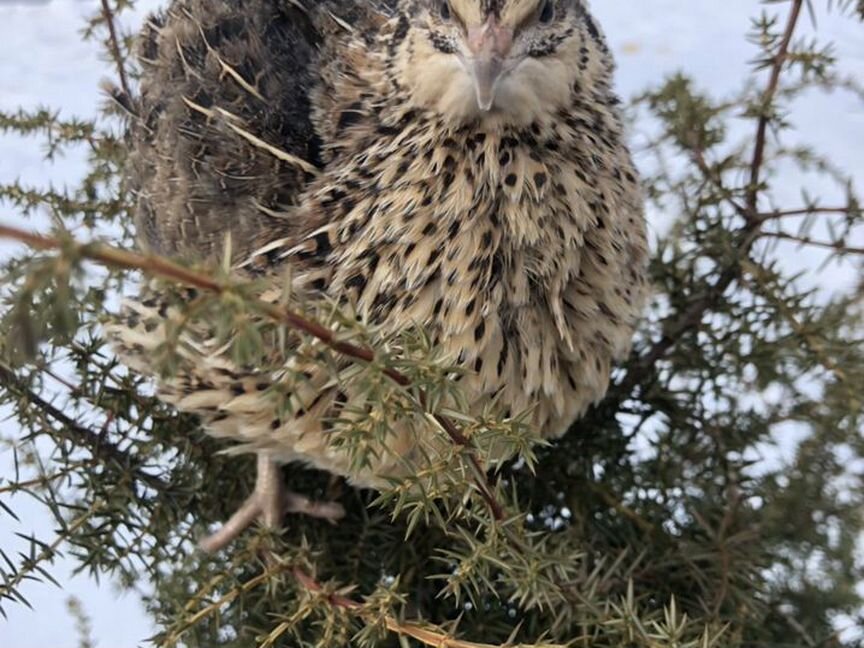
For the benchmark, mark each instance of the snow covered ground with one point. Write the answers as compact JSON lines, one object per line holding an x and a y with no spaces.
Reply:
{"x":44,"y":62}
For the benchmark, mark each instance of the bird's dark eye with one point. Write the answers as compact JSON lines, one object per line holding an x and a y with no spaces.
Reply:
{"x":547,"y":12}
{"x":444,"y":10}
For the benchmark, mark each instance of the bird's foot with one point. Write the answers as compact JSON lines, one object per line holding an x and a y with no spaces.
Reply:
{"x":269,"y":503}
{"x":297,"y":503}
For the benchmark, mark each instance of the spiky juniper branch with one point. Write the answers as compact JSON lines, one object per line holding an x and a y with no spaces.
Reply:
{"x":95,"y":442}
{"x":747,"y":235}
{"x":424,"y":633}
{"x":427,"y":635}
{"x":160,"y":267}
{"x":32,"y":564}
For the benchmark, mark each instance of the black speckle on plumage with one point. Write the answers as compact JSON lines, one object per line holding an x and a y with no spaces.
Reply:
{"x":515,"y":237}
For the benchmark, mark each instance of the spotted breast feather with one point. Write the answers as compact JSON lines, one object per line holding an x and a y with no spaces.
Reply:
{"x":458,"y":166}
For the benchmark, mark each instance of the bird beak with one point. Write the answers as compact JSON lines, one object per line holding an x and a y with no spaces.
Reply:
{"x":489,"y":44}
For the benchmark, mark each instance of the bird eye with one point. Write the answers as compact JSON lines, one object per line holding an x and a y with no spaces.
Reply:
{"x":547,"y":13}
{"x":444,"y":9}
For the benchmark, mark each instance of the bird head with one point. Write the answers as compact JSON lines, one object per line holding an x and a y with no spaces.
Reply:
{"x":510,"y":60}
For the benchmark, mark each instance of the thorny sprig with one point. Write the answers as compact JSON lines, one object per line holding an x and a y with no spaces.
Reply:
{"x":166,"y":269}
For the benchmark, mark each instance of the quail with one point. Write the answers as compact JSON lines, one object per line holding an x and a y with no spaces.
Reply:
{"x":458,"y":165}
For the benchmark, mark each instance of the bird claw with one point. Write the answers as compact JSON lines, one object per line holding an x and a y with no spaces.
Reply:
{"x":269,"y":503}
{"x":332,"y":512}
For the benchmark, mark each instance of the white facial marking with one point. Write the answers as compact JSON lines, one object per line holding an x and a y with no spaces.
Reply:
{"x":491,"y":75}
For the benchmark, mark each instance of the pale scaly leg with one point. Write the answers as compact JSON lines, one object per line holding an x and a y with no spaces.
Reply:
{"x":269,"y":502}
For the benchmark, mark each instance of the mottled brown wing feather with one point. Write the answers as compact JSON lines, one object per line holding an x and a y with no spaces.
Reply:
{"x":224,"y":141}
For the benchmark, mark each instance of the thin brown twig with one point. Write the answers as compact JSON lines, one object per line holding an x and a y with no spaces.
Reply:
{"x":156,"y":266}
{"x":767,"y":98}
{"x":616,"y":504}
{"x":44,"y":480}
{"x":699,"y":158}
{"x":837,"y":246}
{"x":806,"y":211}
{"x":114,"y":44}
